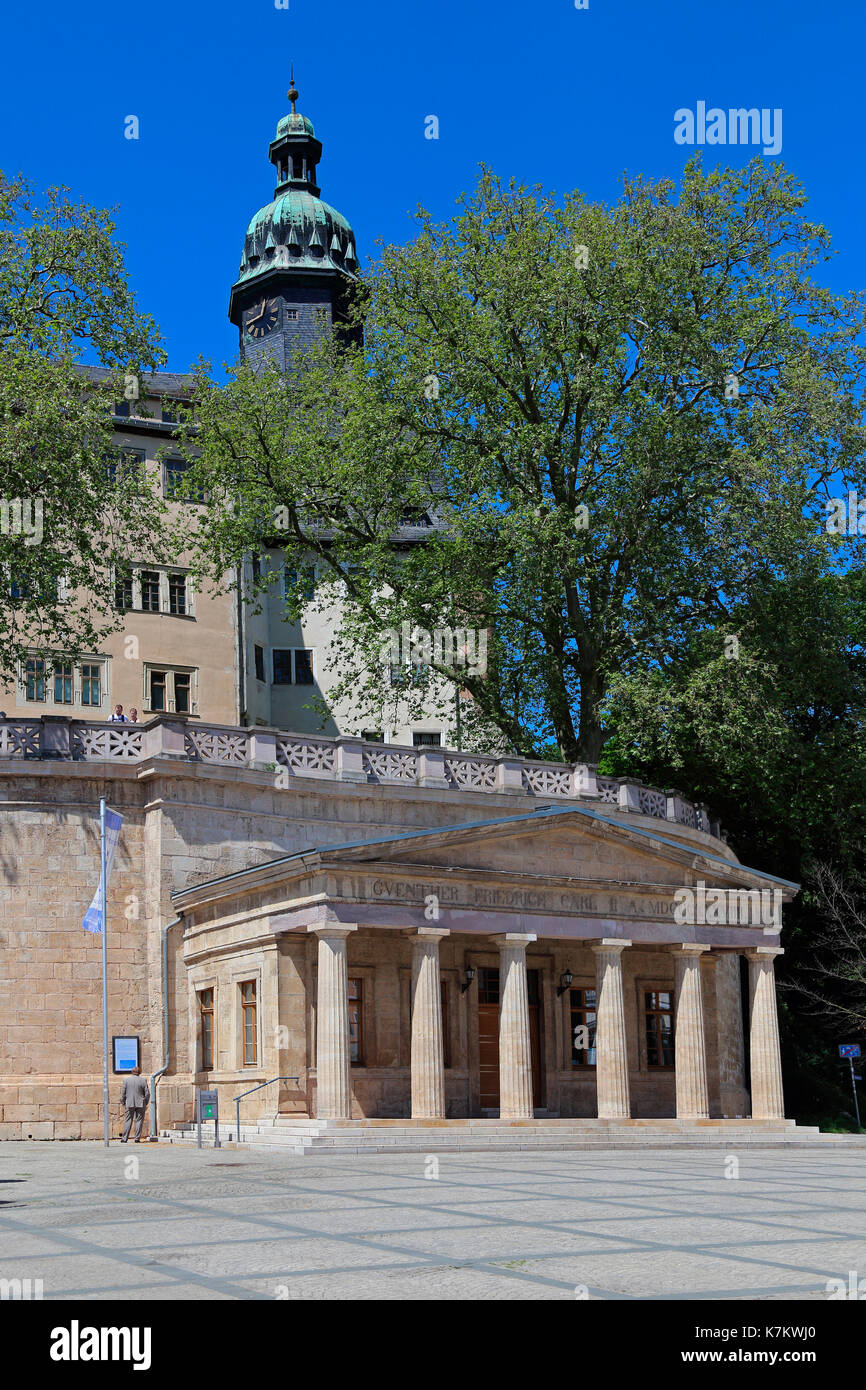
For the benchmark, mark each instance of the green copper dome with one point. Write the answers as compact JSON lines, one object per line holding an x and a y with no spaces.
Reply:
{"x":297,"y":230}
{"x":294,"y":124}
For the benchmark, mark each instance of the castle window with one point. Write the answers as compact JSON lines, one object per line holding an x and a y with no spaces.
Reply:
{"x":91,"y":683}
{"x":35,"y":679}
{"x":177,"y":485}
{"x":293,"y":666}
{"x":414,"y":516}
{"x":303,"y":580}
{"x":150,"y":591}
{"x":63,"y":683}
{"x":181,"y":692}
{"x":291,"y":315}
{"x":176,"y":593}
{"x":170,"y":691}
{"x":123,"y":591}
{"x":259,"y":662}
{"x":423,"y":738}
{"x":123,"y":463}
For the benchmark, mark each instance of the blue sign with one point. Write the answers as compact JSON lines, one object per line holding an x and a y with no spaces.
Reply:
{"x":849,"y":1049}
{"x":125,"y":1052}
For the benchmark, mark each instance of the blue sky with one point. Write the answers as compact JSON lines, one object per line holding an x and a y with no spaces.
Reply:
{"x":551,"y":94}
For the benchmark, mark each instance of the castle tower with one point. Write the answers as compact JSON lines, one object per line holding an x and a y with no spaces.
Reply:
{"x":298,"y":261}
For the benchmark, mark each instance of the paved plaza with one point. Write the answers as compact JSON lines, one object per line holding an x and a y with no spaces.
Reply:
{"x":236,"y":1224}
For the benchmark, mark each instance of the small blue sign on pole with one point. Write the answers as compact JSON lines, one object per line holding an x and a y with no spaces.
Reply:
{"x":849,"y":1049}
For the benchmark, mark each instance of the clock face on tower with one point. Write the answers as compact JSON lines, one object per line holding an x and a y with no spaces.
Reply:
{"x":262,"y":318}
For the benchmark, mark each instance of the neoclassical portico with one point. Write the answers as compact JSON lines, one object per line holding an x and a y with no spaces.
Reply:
{"x":441,"y":973}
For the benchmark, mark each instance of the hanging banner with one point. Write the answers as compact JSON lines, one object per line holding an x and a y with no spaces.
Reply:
{"x":94,"y":920}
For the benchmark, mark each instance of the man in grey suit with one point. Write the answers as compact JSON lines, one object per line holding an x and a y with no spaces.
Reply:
{"x":134,"y":1094}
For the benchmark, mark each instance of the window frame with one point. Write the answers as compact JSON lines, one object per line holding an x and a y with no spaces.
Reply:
{"x":424,"y":738}
{"x":248,"y":1005}
{"x":170,"y":488}
{"x":358,"y":999}
{"x":582,"y":1008}
{"x":150,"y":668}
{"x":654,"y":988}
{"x":205,"y":1012}
{"x":292,"y":652}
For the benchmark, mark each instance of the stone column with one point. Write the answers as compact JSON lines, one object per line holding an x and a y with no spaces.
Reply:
{"x":428,"y":1055}
{"x":766,"y":1066}
{"x":515,"y":1055}
{"x":334,"y":1095}
{"x":611,"y":1053}
{"x":732,"y":1057}
{"x":690,"y":1052}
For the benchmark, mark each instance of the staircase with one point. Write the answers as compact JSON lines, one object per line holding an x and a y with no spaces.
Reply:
{"x":302,"y":1136}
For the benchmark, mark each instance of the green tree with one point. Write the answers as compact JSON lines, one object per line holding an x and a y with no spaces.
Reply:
{"x":65,"y":518}
{"x":621,"y":421}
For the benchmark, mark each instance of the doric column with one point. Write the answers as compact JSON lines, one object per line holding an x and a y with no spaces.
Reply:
{"x":690,"y":1052}
{"x":333,"y":1095}
{"x":515,"y":1053}
{"x":611,"y":1053}
{"x":767,"y":1099}
{"x":428,"y":1053}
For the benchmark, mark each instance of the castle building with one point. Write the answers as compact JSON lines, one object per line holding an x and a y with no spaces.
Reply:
{"x":204,"y":652}
{"x":344,"y":930}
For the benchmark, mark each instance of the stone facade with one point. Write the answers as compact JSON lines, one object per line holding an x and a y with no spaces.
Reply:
{"x":304,"y":882}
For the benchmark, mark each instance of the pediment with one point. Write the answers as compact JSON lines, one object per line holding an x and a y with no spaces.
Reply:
{"x":568,"y":843}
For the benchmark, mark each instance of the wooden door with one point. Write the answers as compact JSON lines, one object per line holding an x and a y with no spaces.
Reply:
{"x":488,"y":1037}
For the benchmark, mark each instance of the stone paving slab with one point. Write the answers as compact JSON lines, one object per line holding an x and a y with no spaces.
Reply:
{"x":169,"y":1222}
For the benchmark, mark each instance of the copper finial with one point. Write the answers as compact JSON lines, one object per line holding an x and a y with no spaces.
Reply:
{"x":292,"y":93}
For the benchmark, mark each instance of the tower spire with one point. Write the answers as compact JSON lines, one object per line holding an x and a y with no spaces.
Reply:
{"x":292,"y":93}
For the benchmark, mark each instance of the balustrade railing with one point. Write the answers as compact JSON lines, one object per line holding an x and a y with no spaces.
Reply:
{"x":346,"y":759}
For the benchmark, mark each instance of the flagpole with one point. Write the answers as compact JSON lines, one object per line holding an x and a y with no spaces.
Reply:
{"x":102,"y":892}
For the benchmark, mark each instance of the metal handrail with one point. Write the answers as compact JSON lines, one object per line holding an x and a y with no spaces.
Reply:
{"x":260,"y":1087}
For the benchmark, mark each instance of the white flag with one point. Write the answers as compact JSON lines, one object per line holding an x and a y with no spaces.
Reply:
{"x":95,"y":917}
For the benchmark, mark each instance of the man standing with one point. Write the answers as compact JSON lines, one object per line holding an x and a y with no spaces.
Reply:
{"x":118,"y":717}
{"x":134,"y":1095}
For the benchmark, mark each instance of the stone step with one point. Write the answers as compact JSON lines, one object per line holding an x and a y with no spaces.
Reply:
{"x":356,"y":1137}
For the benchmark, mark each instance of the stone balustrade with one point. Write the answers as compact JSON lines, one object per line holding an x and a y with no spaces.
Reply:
{"x":344,"y":759}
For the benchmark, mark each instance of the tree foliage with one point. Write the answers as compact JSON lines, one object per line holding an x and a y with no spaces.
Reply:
{"x":63,"y":522}
{"x":621,"y":419}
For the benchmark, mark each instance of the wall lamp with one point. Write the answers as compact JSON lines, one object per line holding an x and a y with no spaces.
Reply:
{"x":468,"y":977}
{"x":565,"y":980}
